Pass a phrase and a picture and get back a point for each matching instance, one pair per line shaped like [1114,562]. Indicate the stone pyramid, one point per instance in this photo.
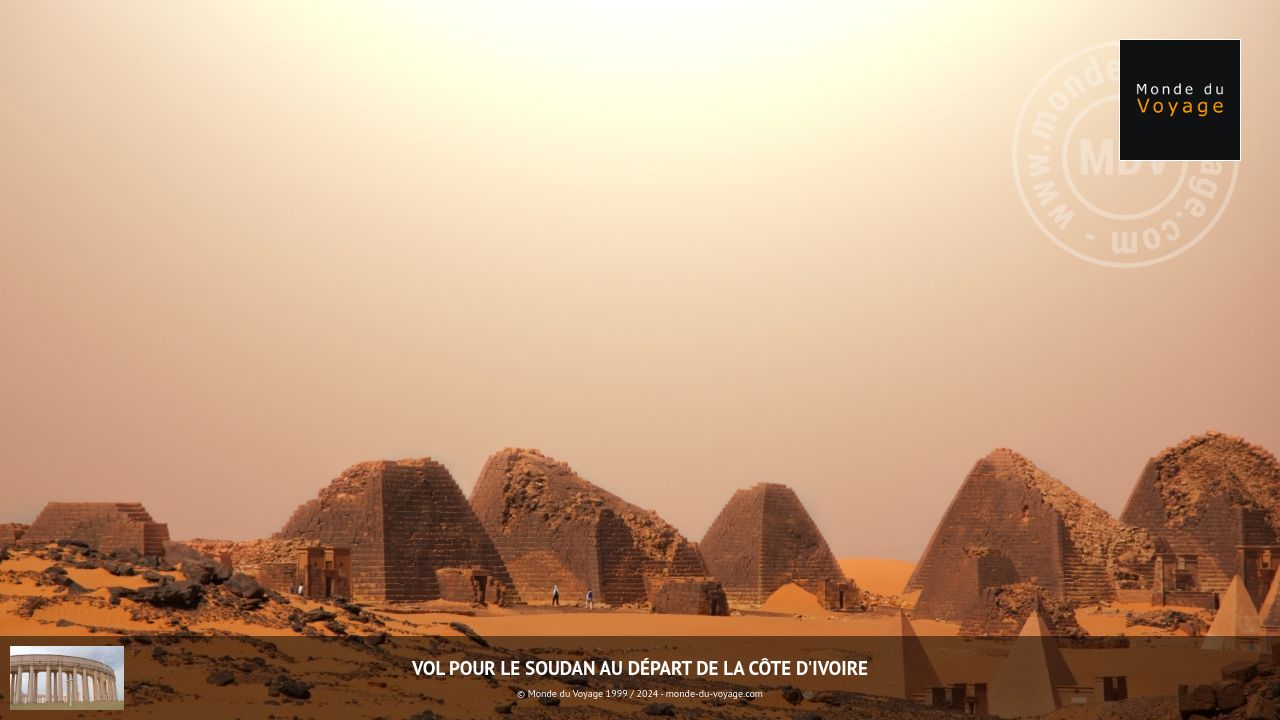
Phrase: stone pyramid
[1204,497]
[905,662]
[106,526]
[1236,621]
[552,527]
[1011,522]
[764,539]
[1027,683]
[403,520]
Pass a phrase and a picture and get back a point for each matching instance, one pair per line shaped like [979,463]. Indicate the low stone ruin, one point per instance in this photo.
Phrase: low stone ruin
[1206,498]
[470,585]
[11,533]
[554,528]
[688,596]
[106,527]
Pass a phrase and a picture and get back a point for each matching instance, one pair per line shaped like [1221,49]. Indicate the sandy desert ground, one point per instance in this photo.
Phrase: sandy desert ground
[356,661]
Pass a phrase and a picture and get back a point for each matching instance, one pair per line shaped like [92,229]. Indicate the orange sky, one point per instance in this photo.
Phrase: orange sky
[685,247]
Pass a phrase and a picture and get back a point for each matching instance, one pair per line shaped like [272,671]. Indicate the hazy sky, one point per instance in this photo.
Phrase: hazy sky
[684,246]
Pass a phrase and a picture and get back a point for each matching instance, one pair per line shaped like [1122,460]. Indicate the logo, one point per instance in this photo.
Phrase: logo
[1083,196]
[1180,99]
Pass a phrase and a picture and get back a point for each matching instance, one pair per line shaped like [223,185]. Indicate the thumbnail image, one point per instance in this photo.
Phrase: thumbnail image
[66,677]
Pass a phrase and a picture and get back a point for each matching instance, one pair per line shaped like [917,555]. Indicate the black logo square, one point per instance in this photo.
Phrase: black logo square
[1179,99]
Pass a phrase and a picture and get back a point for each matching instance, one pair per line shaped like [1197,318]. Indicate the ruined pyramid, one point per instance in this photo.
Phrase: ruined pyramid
[1236,625]
[764,539]
[11,533]
[552,527]
[1204,497]
[1010,522]
[403,520]
[106,526]
[1028,683]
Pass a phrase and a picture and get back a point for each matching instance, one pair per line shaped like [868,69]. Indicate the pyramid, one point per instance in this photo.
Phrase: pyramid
[1205,496]
[1236,620]
[1269,613]
[552,527]
[1027,683]
[106,526]
[1012,522]
[764,539]
[403,520]
[906,664]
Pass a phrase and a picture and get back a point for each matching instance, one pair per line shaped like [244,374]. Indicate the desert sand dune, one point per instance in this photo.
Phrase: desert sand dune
[878,575]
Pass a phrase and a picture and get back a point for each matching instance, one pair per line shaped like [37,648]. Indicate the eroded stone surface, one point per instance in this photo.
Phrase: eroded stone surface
[553,527]
[1204,497]
[1011,523]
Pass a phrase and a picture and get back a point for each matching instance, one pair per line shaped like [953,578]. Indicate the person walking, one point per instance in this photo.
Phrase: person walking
[591,598]
[555,595]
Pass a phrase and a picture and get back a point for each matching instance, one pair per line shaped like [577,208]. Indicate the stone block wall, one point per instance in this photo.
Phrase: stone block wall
[689,596]
[961,596]
[107,527]
[733,545]
[11,533]
[279,576]
[458,585]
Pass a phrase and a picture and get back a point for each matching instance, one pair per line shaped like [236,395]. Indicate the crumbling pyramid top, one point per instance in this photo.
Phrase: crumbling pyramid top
[1216,465]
